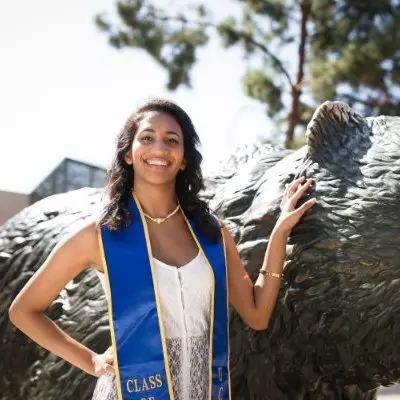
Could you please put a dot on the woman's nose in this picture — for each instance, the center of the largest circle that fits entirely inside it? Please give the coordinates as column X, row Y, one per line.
column 160, row 145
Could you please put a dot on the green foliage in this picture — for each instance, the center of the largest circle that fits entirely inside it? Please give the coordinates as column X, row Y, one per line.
column 355, row 54
column 314, row 50
column 258, row 85
column 228, row 31
column 171, row 40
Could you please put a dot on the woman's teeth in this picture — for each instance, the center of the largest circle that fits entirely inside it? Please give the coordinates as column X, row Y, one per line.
column 157, row 162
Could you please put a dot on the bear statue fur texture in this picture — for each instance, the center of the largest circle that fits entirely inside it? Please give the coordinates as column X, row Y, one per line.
column 335, row 330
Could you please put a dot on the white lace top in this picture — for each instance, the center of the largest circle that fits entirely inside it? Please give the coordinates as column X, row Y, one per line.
column 185, row 302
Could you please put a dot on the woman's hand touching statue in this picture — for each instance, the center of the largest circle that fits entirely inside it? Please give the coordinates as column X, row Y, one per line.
column 290, row 215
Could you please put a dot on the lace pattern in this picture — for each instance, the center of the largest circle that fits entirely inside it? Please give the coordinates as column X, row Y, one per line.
column 105, row 388
column 190, row 380
column 199, row 373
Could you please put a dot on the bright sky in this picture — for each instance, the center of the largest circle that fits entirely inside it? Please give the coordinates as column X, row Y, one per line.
column 64, row 92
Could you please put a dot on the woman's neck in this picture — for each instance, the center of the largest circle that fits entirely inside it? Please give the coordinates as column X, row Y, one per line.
column 156, row 200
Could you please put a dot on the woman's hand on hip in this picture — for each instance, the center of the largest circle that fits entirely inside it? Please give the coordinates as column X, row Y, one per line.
column 103, row 363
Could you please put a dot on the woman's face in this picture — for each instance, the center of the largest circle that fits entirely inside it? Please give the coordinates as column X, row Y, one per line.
column 157, row 152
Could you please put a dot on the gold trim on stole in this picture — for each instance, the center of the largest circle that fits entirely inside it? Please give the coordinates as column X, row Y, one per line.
column 227, row 314
column 110, row 315
column 158, row 304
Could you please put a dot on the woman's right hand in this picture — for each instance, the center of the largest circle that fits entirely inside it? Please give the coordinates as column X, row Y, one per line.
column 72, row 255
column 103, row 363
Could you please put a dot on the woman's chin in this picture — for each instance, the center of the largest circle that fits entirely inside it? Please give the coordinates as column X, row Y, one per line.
column 153, row 179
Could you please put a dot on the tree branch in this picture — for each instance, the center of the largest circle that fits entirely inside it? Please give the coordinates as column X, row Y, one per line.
column 357, row 99
column 264, row 48
column 243, row 35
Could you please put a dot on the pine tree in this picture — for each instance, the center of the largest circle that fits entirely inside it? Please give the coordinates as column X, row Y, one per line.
column 299, row 52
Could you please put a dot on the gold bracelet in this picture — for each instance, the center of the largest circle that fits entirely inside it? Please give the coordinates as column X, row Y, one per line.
column 273, row 274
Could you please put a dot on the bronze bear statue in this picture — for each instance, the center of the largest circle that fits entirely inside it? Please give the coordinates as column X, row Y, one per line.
column 335, row 332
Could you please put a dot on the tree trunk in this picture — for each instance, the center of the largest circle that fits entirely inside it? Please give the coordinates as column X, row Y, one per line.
column 293, row 116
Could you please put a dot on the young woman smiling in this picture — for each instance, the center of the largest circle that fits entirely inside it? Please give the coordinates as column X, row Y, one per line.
column 168, row 266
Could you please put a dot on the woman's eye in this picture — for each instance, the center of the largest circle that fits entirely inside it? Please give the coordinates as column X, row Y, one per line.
column 146, row 138
column 172, row 140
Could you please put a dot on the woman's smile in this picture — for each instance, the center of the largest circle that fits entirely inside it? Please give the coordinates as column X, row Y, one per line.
column 157, row 164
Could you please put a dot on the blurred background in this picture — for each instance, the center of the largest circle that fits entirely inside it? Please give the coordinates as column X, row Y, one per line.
column 246, row 71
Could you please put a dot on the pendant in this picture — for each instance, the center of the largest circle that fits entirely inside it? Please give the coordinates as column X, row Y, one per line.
column 159, row 220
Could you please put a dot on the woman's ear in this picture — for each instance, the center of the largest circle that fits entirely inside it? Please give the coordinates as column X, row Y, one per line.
column 128, row 157
column 183, row 166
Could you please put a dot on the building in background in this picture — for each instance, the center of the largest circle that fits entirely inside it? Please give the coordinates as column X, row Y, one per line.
column 68, row 175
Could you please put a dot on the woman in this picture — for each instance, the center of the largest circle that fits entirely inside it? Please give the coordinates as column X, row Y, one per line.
column 168, row 268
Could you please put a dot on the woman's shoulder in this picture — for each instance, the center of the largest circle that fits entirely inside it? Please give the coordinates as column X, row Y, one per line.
column 87, row 237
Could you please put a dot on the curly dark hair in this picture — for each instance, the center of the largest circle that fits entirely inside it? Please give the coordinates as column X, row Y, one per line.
column 189, row 182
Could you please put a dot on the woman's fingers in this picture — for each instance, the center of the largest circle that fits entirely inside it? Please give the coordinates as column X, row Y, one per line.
column 301, row 191
column 109, row 368
column 304, row 207
column 297, row 191
column 104, row 362
column 291, row 187
column 109, row 360
column 109, row 356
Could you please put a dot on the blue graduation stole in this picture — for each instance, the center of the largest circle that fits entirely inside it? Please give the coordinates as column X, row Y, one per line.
column 137, row 331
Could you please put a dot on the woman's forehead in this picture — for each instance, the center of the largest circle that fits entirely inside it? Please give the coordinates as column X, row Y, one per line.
column 160, row 119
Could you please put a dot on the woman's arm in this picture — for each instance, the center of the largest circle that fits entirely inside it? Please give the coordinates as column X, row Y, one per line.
column 69, row 257
column 255, row 303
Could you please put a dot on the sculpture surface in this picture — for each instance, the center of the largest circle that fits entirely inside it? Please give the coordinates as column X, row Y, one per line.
column 335, row 332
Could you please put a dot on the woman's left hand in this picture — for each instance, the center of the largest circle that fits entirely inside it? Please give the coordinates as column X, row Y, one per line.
column 290, row 215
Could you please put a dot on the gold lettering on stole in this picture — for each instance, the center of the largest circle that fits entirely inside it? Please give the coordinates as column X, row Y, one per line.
column 128, row 386
column 134, row 383
column 148, row 383
column 221, row 389
column 220, row 374
column 145, row 386
column 158, row 380
column 152, row 381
